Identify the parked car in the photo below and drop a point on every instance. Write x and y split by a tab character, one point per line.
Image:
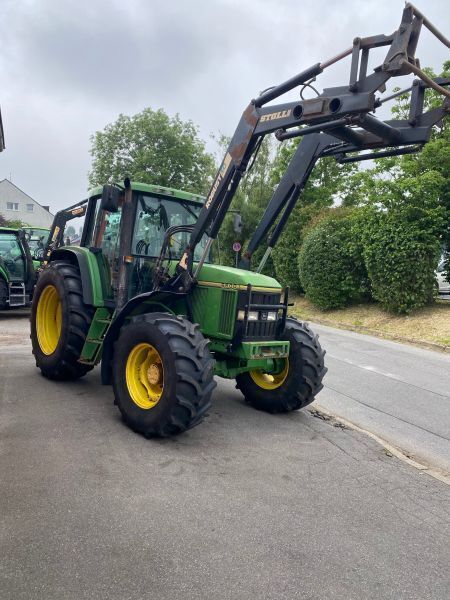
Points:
443	284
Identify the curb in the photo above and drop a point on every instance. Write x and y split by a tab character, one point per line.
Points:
438	474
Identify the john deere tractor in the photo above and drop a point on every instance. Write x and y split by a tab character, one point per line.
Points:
17	274
142	294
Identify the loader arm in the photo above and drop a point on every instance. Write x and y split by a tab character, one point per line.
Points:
338	122
56	236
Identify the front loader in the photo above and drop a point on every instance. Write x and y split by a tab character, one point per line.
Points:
142	295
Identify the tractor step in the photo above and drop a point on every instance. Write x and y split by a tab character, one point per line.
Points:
17	294
92	349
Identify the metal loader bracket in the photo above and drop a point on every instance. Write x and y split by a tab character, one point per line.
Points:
339	122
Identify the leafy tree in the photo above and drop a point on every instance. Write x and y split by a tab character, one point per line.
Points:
407	200
151	147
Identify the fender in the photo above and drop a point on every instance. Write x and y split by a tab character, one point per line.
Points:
89	271
136	306
4	274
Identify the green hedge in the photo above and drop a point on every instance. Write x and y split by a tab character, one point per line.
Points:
401	258
285	253
331	265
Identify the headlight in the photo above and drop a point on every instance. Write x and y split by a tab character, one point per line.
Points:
252	315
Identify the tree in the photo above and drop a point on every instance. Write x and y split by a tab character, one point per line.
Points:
327	184
407	208
152	147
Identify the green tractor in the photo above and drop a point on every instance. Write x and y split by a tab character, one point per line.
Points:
17	273
142	293
161	348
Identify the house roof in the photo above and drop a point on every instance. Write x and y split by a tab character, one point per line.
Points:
24	193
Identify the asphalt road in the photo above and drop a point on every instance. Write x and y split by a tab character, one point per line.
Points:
245	506
399	392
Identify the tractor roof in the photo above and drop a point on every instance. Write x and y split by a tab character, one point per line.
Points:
9	229
156	189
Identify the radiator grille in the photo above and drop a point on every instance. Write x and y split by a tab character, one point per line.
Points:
227	313
200	303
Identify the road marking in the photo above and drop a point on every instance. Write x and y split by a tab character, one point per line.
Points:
385	374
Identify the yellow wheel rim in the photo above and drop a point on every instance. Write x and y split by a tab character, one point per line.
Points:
144	375
49	320
270	381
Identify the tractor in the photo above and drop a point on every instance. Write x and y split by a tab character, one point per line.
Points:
17	272
142	293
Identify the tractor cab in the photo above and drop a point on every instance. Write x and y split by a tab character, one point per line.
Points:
37	239
154	211
16	269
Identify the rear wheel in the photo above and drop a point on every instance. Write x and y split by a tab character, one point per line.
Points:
163	374
60	322
298	378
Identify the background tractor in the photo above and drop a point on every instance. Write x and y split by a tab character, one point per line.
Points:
142	294
17	273
37	240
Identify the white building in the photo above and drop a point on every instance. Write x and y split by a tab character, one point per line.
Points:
16	205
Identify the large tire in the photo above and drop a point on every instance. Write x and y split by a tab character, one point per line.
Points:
298	382
163	374
60	322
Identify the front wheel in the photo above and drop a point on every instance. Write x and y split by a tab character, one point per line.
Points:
163	374
298	379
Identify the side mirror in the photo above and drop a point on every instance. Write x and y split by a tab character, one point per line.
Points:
110	198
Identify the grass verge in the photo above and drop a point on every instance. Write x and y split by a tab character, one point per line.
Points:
429	326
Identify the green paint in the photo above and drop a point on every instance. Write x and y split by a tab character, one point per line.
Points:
249	356
215	310
92	349
230	276
100	287
4	274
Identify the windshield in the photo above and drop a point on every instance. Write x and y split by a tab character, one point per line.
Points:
154	216
11	257
36	238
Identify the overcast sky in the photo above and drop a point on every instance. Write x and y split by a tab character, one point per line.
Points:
69	67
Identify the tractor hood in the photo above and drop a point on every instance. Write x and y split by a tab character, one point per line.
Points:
229	277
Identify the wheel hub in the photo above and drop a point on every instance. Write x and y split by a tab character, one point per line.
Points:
154	374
